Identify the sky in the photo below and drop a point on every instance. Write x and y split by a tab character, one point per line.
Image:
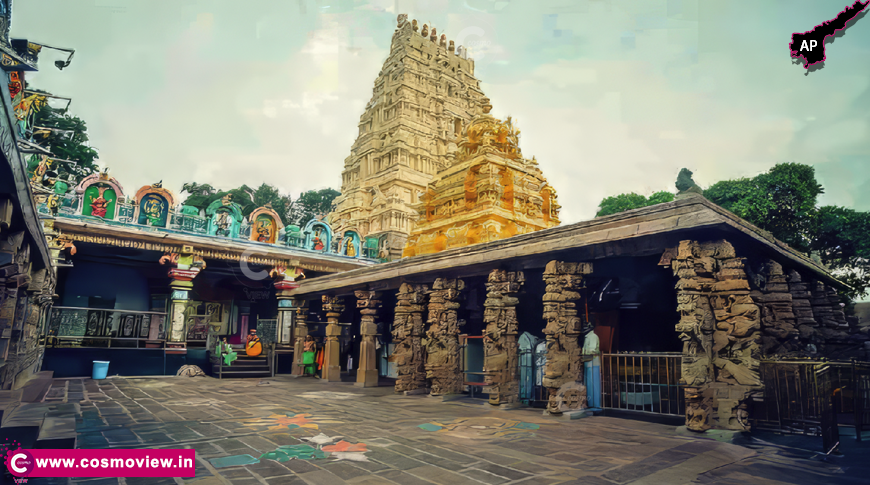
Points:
610	96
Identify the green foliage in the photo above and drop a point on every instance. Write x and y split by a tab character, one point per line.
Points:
68	146
842	241
781	201
311	204
298	212
624	202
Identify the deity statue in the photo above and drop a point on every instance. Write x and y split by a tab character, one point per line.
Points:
100	204
349	248
384	251
318	243
264	231
53	204
222	221
153	209
44	166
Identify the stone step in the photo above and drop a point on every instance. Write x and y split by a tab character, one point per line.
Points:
243	373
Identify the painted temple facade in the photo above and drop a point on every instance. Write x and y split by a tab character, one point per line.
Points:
423	98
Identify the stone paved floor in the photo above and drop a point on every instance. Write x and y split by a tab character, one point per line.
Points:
374	436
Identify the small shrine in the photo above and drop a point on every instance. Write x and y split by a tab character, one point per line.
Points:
99	195
265	224
489	192
154	205
224	217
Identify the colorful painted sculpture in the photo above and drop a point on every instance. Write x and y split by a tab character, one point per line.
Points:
100	204
318	234
154	205
266	224
224	217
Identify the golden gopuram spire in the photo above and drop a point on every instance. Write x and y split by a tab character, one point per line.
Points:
488	192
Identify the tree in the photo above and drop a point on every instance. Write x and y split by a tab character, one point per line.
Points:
199	194
624	202
842	241
783	201
69	144
311	204
202	195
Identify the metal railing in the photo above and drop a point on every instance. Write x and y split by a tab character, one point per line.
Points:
99	327
642	382
810	397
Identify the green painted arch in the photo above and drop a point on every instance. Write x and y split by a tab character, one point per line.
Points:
93	192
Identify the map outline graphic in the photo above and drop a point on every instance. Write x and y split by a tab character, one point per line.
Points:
822	31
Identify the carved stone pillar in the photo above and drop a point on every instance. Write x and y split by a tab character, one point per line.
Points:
333	306
500	339
442	337
407	337
720	328
779	324
184	267
563	371
300	331
367	372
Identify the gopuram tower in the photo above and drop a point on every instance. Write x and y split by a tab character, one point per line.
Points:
423	98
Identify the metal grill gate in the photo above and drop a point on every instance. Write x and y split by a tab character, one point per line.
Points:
642	382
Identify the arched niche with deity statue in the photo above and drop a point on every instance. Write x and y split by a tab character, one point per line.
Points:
265	224
224	217
318	235
98	195
351	244
153	203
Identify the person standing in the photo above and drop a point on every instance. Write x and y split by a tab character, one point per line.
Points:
309	349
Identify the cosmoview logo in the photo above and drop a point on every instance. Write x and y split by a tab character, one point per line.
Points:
20	463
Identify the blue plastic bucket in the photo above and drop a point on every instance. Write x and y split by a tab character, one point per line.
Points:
101	368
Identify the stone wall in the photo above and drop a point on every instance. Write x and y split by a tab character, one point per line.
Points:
720	328
441	343
407	337
500	338
563	371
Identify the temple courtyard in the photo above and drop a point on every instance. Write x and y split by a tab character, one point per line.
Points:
288	430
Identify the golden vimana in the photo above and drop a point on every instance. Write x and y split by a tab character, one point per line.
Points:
431	169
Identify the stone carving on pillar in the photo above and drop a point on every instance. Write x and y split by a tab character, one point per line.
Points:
185	266
563	371
369	304
779	321
407	334
442	337
500	338
720	327
299	332
333	306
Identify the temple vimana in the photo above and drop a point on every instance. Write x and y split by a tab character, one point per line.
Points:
430	168
442	269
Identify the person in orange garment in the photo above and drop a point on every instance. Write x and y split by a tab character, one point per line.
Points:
253	347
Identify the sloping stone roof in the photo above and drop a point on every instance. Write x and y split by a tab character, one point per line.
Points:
681	215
